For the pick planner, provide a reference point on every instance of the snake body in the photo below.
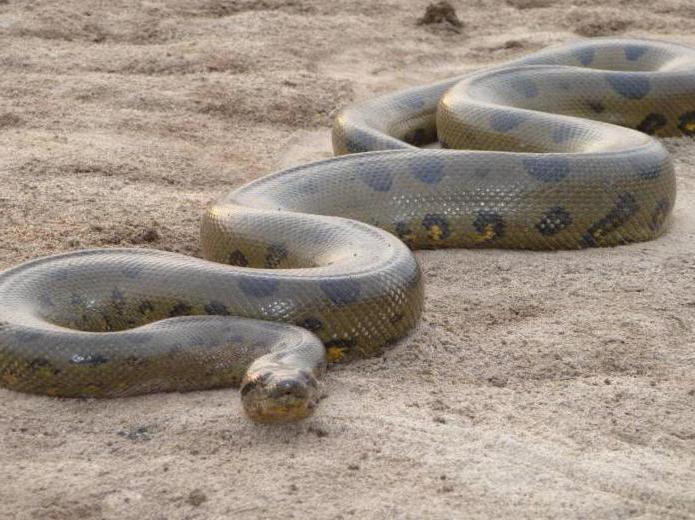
(312, 263)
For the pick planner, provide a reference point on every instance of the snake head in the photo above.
(276, 394)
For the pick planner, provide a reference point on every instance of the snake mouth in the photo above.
(289, 399)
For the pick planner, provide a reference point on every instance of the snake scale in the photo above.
(314, 263)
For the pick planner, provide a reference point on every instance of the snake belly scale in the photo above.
(314, 263)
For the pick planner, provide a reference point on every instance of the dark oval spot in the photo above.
(259, 287)
(437, 226)
(180, 309)
(311, 324)
(553, 221)
(341, 291)
(379, 178)
(276, 254)
(524, 86)
(596, 106)
(547, 168)
(585, 56)
(625, 207)
(216, 309)
(427, 168)
(489, 222)
(631, 86)
(505, 121)
(686, 123)
(236, 257)
(635, 52)
(652, 123)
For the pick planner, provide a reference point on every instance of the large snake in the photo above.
(535, 160)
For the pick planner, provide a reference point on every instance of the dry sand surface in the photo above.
(537, 385)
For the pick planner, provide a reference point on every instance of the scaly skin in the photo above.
(539, 164)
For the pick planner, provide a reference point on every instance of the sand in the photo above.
(538, 385)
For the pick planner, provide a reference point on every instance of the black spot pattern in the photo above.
(630, 86)
(626, 206)
(652, 123)
(180, 309)
(524, 86)
(489, 222)
(686, 123)
(547, 168)
(553, 221)
(634, 52)
(236, 257)
(427, 169)
(585, 56)
(437, 226)
(341, 291)
(379, 178)
(276, 254)
(312, 324)
(258, 287)
(596, 106)
(505, 121)
(216, 309)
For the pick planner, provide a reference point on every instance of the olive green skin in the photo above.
(304, 265)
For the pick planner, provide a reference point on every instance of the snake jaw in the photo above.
(279, 396)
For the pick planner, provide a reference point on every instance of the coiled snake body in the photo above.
(536, 161)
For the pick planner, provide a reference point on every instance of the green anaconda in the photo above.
(551, 151)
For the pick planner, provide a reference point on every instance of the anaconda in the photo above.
(550, 151)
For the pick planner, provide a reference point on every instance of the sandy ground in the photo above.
(538, 384)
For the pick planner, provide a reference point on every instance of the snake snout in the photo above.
(280, 397)
(291, 388)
